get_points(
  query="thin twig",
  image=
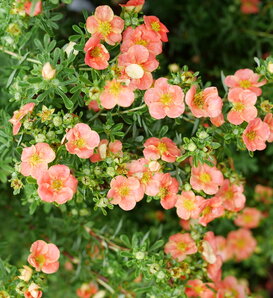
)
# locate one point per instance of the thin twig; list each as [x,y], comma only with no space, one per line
[18,56]
[127,111]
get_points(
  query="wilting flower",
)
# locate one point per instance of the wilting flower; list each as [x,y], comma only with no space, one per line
[48,72]
[249,218]
[168,189]
[243,106]
[232,196]
[125,192]
[105,25]
[196,288]
[87,290]
[137,64]
[19,115]
[96,54]
[116,93]
[165,100]
[180,245]
[245,79]
[206,103]
[35,159]
[188,205]
[153,23]
[250,6]
[81,140]
[57,184]
[33,11]
[206,178]
[230,287]
[241,244]
[33,291]
[256,134]
[211,209]
[217,121]
[107,149]
[25,273]
[141,36]
[135,5]
[268,119]
[164,148]
[44,256]
[144,170]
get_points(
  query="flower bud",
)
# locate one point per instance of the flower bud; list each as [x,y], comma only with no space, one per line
[270,67]
[174,67]
[48,72]
[57,121]
[69,48]
[140,255]
[161,275]
[154,268]
[134,71]
[40,138]
[26,273]
[191,147]
[67,118]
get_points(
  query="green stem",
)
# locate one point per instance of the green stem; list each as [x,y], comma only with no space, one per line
[259,33]
[127,111]
[18,56]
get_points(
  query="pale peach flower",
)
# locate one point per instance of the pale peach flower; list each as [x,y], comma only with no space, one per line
[57,184]
[19,115]
[135,5]
[245,79]
[87,290]
[82,140]
[211,209]
[221,247]
[116,93]
[153,23]
[33,291]
[25,273]
[180,245]
[243,106]
[264,193]
[188,205]
[230,287]
[249,218]
[35,159]
[37,9]
[165,100]
[217,121]
[268,119]
[48,72]
[197,288]
[44,256]
[206,178]
[125,192]
[256,134]
[205,103]
[250,6]
[164,148]
[105,25]
[241,244]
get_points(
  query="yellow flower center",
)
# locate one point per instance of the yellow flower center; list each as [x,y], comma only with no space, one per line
[146,177]
[247,218]
[251,135]
[229,195]
[199,100]
[96,52]
[206,211]
[182,246]
[142,42]
[124,191]
[205,178]
[57,184]
[198,289]
[80,143]
[245,84]
[162,192]
[155,26]
[105,28]
[35,159]
[166,98]
[241,243]
[40,259]
[162,148]
[238,107]
[18,115]
[188,204]
[115,88]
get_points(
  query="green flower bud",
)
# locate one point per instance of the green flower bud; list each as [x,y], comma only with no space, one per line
[57,121]
[40,138]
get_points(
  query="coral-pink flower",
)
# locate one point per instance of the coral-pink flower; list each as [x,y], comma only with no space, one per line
[135,5]
[105,25]
[57,184]
[250,6]
[81,140]
[243,106]
[215,270]
[144,170]
[125,192]
[197,288]
[180,245]
[268,119]
[107,149]
[19,115]
[44,256]
[35,159]
[137,64]
[230,287]
[256,134]
[153,23]
[205,103]
[188,205]
[232,196]
[217,121]
[206,178]
[221,247]
[141,36]
[87,290]
[245,79]
[33,291]
[241,244]
[164,148]
[264,193]
[167,190]
[165,100]
[211,209]
[249,218]
[36,10]
[116,93]
[96,54]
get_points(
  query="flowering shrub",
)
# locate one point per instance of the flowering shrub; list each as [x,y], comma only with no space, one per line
[127,182]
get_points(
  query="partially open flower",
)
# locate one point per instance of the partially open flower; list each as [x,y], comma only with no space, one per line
[26,273]
[48,72]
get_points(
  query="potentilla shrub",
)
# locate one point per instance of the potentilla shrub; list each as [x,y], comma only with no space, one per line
[129,178]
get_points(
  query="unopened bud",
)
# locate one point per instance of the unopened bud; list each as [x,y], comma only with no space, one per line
[48,72]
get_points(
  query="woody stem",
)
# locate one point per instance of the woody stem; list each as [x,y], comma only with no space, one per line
[18,56]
